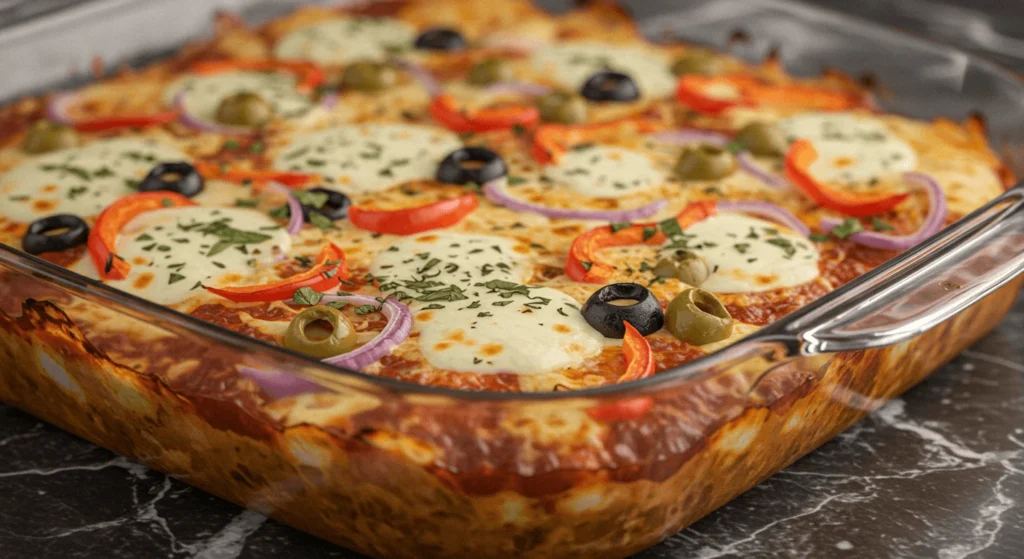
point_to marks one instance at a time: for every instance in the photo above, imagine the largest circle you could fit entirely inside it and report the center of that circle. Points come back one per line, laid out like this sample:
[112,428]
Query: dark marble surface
[936,473]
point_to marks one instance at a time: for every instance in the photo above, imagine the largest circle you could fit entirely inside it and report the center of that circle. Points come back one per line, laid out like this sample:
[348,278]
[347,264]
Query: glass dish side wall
[392,471]
[394,474]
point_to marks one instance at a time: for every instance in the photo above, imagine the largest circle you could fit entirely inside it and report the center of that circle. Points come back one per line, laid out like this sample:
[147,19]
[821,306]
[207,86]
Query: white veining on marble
[229,541]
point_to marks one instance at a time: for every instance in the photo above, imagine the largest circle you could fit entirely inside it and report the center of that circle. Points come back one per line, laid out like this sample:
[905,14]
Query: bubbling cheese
[473,313]
[747,254]
[605,171]
[173,250]
[361,159]
[80,181]
[339,41]
[852,149]
[571,64]
[202,95]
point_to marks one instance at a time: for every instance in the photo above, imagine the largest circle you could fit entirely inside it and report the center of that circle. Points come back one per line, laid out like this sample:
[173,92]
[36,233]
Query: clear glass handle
[920,288]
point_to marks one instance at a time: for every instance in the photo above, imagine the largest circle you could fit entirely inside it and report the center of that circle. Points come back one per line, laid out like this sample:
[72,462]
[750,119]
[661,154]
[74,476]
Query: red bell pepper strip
[583,264]
[622,410]
[310,75]
[287,178]
[408,221]
[801,156]
[103,236]
[550,141]
[325,275]
[714,94]
[101,123]
[446,112]
[639,358]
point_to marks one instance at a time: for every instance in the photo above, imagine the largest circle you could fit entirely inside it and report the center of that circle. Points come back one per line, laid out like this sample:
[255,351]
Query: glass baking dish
[399,470]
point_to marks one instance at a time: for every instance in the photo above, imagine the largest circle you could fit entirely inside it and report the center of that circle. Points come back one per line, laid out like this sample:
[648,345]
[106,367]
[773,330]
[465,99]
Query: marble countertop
[938,472]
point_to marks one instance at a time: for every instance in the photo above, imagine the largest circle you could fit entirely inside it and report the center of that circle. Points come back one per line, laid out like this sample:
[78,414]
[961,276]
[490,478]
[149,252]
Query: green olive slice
[320,332]
[685,266]
[565,108]
[698,61]
[705,162]
[368,76]
[45,136]
[244,109]
[697,317]
[761,138]
[489,71]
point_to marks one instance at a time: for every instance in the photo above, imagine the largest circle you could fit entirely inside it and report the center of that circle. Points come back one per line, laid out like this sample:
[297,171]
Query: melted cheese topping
[173,250]
[203,94]
[572,64]
[852,149]
[80,181]
[748,254]
[338,41]
[473,313]
[369,158]
[605,171]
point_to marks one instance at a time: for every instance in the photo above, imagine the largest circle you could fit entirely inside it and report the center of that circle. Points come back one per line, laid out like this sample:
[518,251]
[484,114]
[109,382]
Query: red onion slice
[521,88]
[59,105]
[281,384]
[746,161]
[495,192]
[768,210]
[329,101]
[422,75]
[937,212]
[193,121]
[397,330]
[294,207]
[748,164]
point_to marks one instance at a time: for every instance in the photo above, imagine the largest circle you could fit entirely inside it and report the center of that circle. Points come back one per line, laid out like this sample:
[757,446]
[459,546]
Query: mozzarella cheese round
[852,149]
[473,313]
[80,181]
[747,254]
[571,64]
[370,157]
[201,95]
[338,41]
[172,251]
[605,171]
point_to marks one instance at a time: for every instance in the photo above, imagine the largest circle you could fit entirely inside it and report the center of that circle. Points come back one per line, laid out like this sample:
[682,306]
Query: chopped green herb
[879,225]
[307,296]
[174,278]
[849,226]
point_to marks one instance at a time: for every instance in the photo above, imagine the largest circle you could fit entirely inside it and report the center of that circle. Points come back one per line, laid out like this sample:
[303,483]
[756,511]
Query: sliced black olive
[177,176]
[610,86]
[474,164]
[606,317]
[334,209]
[37,241]
[440,38]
